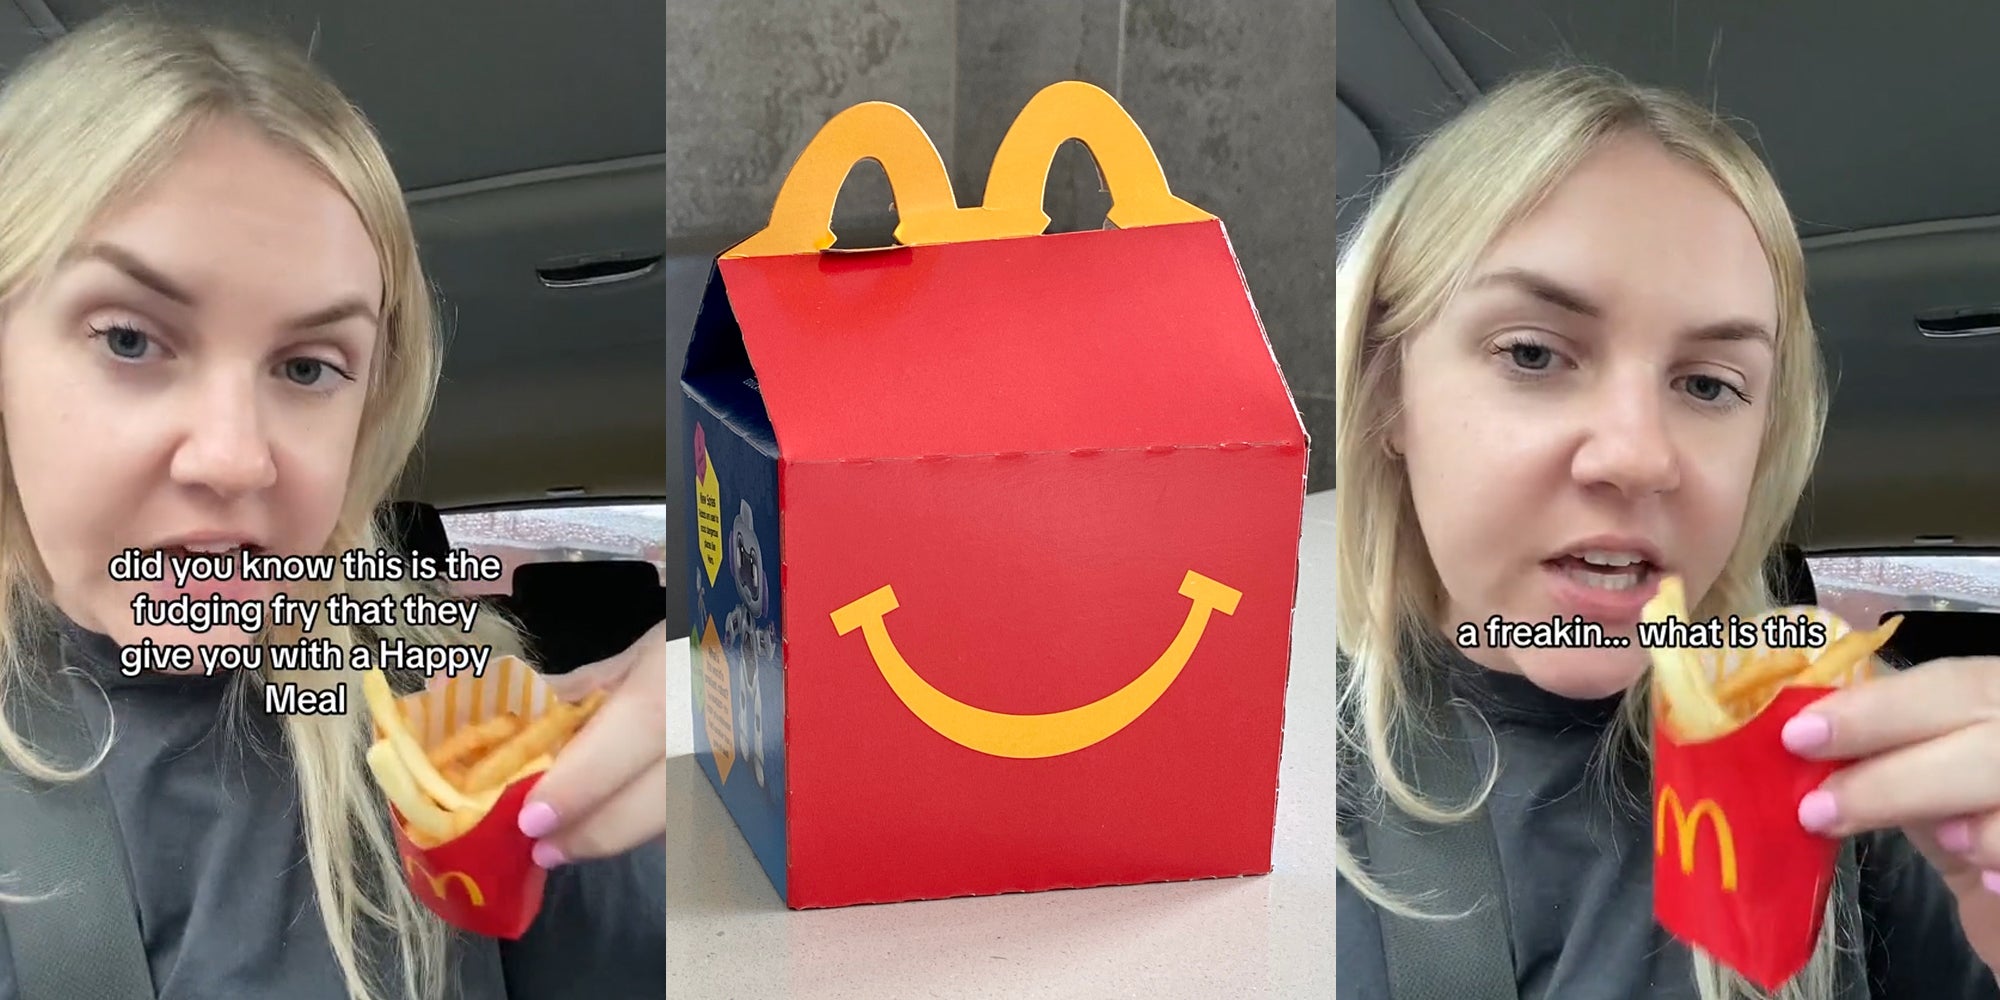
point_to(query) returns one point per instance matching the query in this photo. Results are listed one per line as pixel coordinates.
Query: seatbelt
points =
(82, 942)
(1469, 957)
(1852, 981)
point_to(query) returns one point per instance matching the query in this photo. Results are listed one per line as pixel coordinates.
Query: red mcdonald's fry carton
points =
(995, 532)
(484, 880)
(1735, 874)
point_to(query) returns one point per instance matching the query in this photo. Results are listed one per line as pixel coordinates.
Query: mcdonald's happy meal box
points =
(995, 533)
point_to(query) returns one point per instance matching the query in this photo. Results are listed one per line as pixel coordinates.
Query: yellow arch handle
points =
(1033, 736)
(801, 216)
(1061, 112)
(928, 211)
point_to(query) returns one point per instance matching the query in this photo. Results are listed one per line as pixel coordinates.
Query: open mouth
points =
(1613, 572)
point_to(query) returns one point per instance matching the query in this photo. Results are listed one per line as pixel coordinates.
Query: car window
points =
(1863, 587)
(557, 533)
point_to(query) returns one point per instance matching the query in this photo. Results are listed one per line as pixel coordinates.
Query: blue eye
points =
(1712, 390)
(311, 372)
(305, 371)
(123, 342)
(1532, 357)
(1524, 357)
(1705, 388)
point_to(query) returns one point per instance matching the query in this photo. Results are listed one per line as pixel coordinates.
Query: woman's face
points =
(1585, 417)
(191, 377)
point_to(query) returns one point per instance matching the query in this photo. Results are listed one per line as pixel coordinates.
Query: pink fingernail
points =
(1955, 836)
(1818, 811)
(537, 819)
(548, 855)
(1807, 732)
(1992, 882)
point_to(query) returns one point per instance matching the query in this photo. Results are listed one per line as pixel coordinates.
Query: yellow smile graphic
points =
(1031, 736)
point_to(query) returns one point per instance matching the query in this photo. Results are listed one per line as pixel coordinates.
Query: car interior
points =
(531, 152)
(1859, 110)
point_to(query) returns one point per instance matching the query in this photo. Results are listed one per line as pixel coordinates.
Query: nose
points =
(226, 447)
(1627, 444)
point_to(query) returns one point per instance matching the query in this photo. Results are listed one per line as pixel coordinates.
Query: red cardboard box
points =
(997, 531)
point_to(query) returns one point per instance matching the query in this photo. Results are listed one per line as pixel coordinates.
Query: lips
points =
(215, 550)
(228, 546)
(203, 590)
(1607, 575)
(1605, 578)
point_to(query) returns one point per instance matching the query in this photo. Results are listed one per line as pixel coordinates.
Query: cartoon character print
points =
(748, 641)
(700, 609)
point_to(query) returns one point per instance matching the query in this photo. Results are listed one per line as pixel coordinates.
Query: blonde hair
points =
(83, 126)
(1421, 238)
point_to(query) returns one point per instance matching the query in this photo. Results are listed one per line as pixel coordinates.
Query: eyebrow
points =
(1543, 288)
(138, 270)
(1734, 330)
(1546, 289)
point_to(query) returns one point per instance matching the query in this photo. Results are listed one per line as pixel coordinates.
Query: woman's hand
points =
(1926, 749)
(607, 791)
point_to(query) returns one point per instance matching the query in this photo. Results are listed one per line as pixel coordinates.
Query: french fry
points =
(542, 763)
(472, 740)
(445, 792)
(1696, 708)
(396, 732)
(1763, 673)
(464, 820)
(538, 738)
(1693, 711)
(417, 808)
(1756, 684)
(1837, 661)
(488, 798)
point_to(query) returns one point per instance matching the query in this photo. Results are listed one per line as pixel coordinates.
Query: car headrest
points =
(416, 528)
(1932, 635)
(1791, 578)
(576, 613)
(580, 582)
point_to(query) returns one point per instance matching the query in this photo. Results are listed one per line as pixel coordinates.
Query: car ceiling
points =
(528, 135)
(1872, 117)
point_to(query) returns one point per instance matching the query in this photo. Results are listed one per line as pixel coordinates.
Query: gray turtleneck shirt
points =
(209, 816)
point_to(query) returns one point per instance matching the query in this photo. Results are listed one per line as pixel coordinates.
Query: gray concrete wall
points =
(1237, 99)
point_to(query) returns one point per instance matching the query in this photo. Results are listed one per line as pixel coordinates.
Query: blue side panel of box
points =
(730, 456)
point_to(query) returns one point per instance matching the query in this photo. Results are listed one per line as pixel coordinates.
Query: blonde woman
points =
(1574, 357)
(215, 333)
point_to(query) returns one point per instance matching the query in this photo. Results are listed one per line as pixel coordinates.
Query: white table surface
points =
(729, 936)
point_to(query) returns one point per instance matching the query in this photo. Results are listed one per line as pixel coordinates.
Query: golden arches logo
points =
(1687, 824)
(441, 884)
(1050, 734)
